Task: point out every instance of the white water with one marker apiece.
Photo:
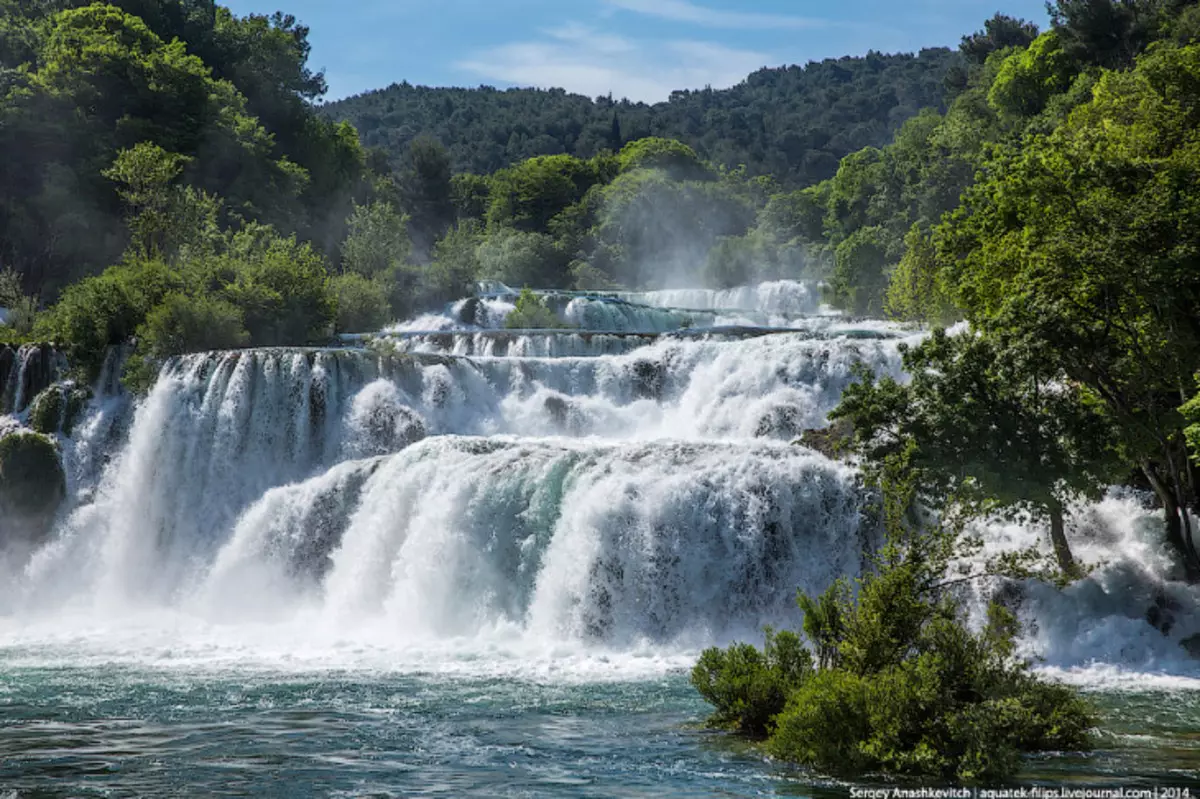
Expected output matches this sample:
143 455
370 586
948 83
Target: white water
780 298
593 515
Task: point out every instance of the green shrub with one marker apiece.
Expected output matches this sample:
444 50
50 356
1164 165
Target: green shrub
281 287
825 723
362 304
181 324
749 687
532 314
901 685
46 411
101 311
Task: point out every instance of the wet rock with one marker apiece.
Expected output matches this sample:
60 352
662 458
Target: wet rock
32 486
1161 615
469 313
832 441
389 429
1191 645
782 421
55 410
649 379
557 408
47 410
8 360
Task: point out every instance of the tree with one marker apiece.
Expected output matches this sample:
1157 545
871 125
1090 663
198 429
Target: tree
999 33
1030 77
146 174
860 276
675 158
180 324
362 304
528 195
377 241
426 194
1082 243
986 427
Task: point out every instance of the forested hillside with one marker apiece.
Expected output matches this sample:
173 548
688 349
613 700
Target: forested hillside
792 122
230 97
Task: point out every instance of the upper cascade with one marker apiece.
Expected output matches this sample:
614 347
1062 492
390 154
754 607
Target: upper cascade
780 304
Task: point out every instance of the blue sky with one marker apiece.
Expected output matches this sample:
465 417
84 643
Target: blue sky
641 49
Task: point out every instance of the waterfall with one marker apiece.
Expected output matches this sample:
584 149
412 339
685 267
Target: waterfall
26 372
451 485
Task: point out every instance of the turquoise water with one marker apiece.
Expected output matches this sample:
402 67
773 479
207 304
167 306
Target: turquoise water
117 731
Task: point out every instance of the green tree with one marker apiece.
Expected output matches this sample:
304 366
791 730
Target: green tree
989 428
362 304
426 194
377 242
999 33
860 272
673 157
528 195
1030 77
1081 241
180 324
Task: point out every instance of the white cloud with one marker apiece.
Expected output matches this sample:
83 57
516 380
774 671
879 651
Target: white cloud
683 11
583 60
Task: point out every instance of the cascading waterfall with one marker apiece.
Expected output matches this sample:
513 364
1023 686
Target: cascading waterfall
585 490
25 372
787 298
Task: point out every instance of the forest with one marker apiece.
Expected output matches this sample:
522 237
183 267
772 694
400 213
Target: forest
792 122
175 185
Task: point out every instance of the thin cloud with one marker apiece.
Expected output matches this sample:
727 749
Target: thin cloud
683 11
580 59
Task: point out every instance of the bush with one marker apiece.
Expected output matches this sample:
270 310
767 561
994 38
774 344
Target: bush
362 304
281 287
181 324
257 288
101 311
47 410
901 685
825 723
749 687
532 314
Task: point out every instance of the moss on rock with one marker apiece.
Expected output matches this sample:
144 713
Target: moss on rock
46 411
32 484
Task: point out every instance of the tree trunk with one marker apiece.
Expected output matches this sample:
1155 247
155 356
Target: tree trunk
1176 536
1058 537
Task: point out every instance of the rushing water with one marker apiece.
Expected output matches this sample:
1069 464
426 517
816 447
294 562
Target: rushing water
471 562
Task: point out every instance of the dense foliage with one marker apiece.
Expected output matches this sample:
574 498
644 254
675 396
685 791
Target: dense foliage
226 96
792 122
1071 248
898 683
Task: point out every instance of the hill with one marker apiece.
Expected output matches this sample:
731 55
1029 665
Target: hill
793 122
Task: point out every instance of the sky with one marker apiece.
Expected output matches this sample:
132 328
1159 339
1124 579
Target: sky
639 49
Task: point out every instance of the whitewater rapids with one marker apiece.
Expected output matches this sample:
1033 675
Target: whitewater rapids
590 504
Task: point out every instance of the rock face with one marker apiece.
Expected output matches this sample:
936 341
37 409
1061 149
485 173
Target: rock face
32 486
26 372
1191 645
1161 615
56 409
832 442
